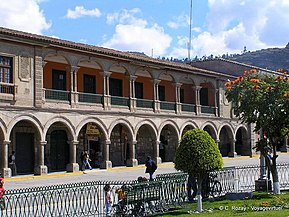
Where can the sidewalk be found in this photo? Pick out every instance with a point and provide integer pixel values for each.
(116, 173)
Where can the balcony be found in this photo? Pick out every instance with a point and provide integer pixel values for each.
(145, 103)
(167, 105)
(188, 107)
(90, 98)
(120, 101)
(208, 109)
(60, 95)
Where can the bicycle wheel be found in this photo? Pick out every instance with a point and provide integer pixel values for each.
(216, 189)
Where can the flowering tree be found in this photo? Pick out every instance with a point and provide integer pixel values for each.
(263, 100)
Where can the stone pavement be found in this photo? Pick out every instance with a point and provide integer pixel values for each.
(117, 173)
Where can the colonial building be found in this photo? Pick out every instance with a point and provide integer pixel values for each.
(59, 98)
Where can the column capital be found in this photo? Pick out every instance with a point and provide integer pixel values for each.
(73, 68)
(43, 143)
(177, 84)
(107, 142)
(43, 63)
(6, 142)
(132, 77)
(156, 81)
(74, 142)
(106, 73)
(197, 87)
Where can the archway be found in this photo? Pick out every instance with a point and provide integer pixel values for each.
(24, 138)
(187, 128)
(242, 146)
(146, 143)
(168, 143)
(91, 138)
(120, 147)
(226, 141)
(57, 148)
(210, 130)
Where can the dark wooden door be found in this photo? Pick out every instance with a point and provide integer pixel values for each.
(25, 153)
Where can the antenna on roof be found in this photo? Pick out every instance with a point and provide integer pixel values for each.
(190, 34)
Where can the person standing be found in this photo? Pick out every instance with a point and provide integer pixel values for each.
(85, 162)
(108, 201)
(150, 167)
(12, 163)
(192, 186)
(2, 192)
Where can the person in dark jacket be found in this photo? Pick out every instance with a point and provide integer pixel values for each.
(151, 167)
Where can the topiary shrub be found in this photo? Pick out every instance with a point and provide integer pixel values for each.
(198, 154)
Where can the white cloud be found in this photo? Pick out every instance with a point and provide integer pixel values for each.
(23, 15)
(180, 21)
(80, 11)
(231, 25)
(135, 34)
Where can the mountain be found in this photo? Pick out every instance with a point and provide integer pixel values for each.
(271, 58)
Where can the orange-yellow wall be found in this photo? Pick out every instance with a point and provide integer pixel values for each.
(89, 71)
(211, 93)
(189, 94)
(148, 91)
(170, 91)
(47, 74)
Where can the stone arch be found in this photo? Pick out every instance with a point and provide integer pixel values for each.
(25, 135)
(169, 141)
(242, 144)
(187, 126)
(226, 141)
(211, 128)
(90, 60)
(122, 140)
(91, 136)
(59, 134)
(63, 120)
(146, 137)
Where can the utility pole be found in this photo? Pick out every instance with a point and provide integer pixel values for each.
(190, 33)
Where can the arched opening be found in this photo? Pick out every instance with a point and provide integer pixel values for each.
(168, 143)
(187, 128)
(242, 146)
(57, 148)
(91, 139)
(120, 146)
(146, 143)
(210, 130)
(24, 138)
(226, 141)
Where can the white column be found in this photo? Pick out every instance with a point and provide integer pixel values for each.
(6, 171)
(156, 95)
(132, 98)
(106, 96)
(198, 99)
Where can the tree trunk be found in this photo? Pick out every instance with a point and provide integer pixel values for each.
(199, 194)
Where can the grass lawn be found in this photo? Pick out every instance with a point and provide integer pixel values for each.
(262, 204)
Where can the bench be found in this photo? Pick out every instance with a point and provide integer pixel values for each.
(140, 199)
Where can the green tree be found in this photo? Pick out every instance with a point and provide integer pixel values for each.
(263, 100)
(198, 154)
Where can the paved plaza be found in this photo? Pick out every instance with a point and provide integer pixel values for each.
(117, 173)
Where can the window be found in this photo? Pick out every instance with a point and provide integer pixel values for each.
(204, 95)
(6, 70)
(139, 90)
(182, 95)
(115, 87)
(162, 93)
(58, 80)
(89, 84)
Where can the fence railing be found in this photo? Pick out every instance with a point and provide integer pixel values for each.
(88, 198)
(82, 199)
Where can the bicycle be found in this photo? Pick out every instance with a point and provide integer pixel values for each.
(211, 187)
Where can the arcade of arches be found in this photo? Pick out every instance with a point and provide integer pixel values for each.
(57, 147)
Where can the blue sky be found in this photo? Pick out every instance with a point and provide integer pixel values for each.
(158, 28)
